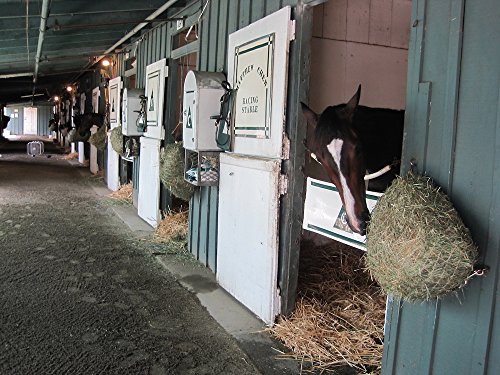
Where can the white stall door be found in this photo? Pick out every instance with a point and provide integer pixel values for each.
(247, 256)
(94, 167)
(113, 160)
(149, 181)
(248, 225)
(30, 118)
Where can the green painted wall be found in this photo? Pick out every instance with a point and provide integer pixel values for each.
(453, 132)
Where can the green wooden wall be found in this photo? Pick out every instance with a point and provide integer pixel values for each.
(453, 133)
(220, 18)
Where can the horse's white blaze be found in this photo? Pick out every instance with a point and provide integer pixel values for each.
(335, 149)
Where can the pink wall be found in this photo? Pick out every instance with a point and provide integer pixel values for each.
(360, 41)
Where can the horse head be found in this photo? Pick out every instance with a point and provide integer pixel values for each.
(337, 146)
(84, 122)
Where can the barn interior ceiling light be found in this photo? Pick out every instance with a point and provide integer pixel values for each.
(105, 63)
(69, 88)
(56, 98)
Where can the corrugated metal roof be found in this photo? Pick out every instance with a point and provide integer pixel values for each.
(76, 31)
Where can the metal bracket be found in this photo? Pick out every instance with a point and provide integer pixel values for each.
(283, 184)
(285, 149)
(291, 31)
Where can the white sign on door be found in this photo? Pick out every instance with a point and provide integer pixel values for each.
(114, 101)
(253, 80)
(258, 68)
(155, 92)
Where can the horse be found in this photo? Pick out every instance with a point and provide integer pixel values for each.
(84, 122)
(349, 141)
(4, 121)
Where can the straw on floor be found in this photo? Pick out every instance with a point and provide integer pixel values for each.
(124, 193)
(339, 314)
(71, 156)
(173, 230)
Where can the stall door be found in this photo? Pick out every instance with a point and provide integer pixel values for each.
(149, 181)
(94, 167)
(81, 146)
(250, 180)
(113, 162)
(30, 120)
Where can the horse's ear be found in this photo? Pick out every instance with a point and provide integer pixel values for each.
(352, 104)
(311, 117)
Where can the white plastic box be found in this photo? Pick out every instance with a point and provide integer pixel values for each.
(202, 94)
(131, 103)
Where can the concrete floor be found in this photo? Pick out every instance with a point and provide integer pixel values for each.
(83, 291)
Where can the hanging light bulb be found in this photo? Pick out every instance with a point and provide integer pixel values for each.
(56, 98)
(105, 63)
(69, 88)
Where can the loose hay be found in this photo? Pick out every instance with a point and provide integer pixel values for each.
(339, 314)
(124, 193)
(98, 139)
(116, 139)
(173, 230)
(71, 156)
(172, 171)
(418, 247)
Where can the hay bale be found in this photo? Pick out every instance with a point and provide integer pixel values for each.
(172, 171)
(98, 139)
(116, 139)
(417, 246)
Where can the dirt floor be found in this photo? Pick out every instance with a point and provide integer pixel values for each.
(80, 295)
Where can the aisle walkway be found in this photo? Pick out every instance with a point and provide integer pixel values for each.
(80, 295)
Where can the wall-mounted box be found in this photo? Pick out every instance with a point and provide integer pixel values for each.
(202, 94)
(131, 103)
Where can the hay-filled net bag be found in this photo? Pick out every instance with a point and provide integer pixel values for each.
(116, 139)
(98, 139)
(172, 171)
(418, 248)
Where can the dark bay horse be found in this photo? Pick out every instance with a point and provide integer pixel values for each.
(84, 122)
(350, 141)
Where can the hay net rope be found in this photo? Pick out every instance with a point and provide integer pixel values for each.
(418, 248)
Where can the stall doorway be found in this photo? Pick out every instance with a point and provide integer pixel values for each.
(30, 120)
(353, 43)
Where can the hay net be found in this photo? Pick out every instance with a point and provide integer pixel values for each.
(116, 139)
(98, 139)
(172, 171)
(418, 248)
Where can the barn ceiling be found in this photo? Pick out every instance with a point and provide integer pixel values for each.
(76, 31)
